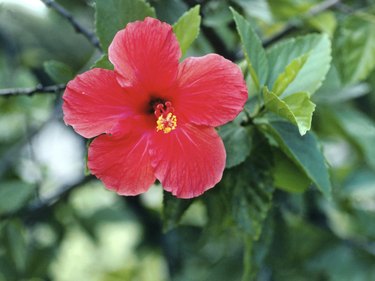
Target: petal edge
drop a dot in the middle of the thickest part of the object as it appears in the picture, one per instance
(189, 160)
(123, 164)
(94, 102)
(212, 90)
(146, 54)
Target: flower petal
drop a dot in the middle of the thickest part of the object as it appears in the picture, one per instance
(123, 164)
(212, 90)
(189, 160)
(94, 102)
(146, 54)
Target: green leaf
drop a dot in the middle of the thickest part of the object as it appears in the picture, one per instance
(359, 190)
(13, 195)
(343, 94)
(289, 74)
(333, 91)
(342, 262)
(297, 108)
(253, 50)
(359, 128)
(187, 28)
(287, 9)
(304, 151)
(255, 252)
(16, 244)
(287, 175)
(169, 11)
(252, 197)
(58, 71)
(324, 22)
(113, 15)
(355, 49)
(250, 188)
(238, 142)
(173, 209)
(103, 62)
(313, 72)
(302, 108)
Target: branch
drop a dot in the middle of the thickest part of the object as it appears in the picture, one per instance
(77, 26)
(292, 26)
(30, 91)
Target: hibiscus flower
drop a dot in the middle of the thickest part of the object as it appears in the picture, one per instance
(153, 117)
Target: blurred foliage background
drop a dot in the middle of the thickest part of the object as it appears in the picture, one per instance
(56, 223)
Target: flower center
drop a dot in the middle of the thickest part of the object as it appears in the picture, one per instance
(166, 121)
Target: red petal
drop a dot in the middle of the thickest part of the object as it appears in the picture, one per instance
(94, 102)
(146, 53)
(189, 160)
(212, 90)
(123, 164)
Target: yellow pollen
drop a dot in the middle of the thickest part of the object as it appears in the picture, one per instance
(166, 124)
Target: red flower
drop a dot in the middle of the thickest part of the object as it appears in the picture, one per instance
(153, 117)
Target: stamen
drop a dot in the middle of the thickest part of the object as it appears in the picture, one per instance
(166, 124)
(166, 121)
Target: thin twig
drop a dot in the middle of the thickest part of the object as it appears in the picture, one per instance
(77, 26)
(30, 91)
(292, 26)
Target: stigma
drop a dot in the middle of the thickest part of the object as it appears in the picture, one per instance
(166, 120)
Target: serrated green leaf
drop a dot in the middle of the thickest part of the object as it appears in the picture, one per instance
(58, 71)
(103, 62)
(289, 74)
(250, 188)
(187, 28)
(355, 46)
(238, 142)
(114, 15)
(297, 108)
(13, 195)
(312, 74)
(251, 201)
(287, 175)
(302, 108)
(304, 151)
(173, 209)
(255, 252)
(253, 50)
